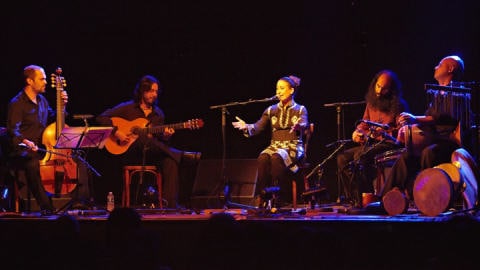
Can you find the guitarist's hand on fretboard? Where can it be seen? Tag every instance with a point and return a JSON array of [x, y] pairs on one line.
[[167, 133], [122, 138]]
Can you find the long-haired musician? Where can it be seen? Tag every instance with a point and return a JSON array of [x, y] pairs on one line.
[[438, 121], [373, 135], [140, 135]]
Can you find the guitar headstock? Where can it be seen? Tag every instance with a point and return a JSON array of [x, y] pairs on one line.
[[194, 123], [57, 80]]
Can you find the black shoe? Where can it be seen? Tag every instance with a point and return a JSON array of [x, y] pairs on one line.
[[47, 212], [191, 157]]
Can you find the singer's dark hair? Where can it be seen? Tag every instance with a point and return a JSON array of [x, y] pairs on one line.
[[391, 101], [145, 84], [293, 80]]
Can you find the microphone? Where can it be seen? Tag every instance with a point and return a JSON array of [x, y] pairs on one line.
[[375, 124], [274, 98], [82, 116]]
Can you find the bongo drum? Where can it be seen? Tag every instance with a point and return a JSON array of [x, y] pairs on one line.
[[395, 202], [383, 163], [470, 173], [433, 191]]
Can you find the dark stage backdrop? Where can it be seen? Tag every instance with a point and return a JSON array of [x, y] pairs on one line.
[[215, 52]]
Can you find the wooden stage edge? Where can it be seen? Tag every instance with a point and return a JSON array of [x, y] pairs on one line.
[[324, 238]]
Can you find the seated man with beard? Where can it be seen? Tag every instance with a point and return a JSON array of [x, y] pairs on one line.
[[374, 134], [440, 121]]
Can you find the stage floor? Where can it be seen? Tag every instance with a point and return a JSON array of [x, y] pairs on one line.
[[327, 237], [324, 212]]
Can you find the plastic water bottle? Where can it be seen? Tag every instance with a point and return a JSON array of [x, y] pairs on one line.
[[110, 202]]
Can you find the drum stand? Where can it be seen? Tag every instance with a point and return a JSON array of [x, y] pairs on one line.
[[358, 169]]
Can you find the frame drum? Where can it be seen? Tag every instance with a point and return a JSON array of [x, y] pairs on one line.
[[433, 191], [470, 173], [455, 176]]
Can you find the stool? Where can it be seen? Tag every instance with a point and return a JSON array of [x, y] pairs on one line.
[[129, 171]]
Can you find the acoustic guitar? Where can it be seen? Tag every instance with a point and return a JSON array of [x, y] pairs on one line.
[[139, 126]]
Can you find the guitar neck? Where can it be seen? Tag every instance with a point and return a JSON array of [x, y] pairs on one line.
[[161, 128], [139, 127]]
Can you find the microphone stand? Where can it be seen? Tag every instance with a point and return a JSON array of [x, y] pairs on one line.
[[223, 108], [340, 116], [341, 127]]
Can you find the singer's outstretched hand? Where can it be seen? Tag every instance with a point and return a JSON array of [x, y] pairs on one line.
[[241, 125]]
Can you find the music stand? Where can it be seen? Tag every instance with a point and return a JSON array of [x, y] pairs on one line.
[[77, 138], [83, 137]]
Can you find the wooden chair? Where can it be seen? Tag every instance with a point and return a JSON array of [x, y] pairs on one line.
[[130, 171], [303, 166]]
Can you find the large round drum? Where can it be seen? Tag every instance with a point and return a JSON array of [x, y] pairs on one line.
[[470, 174], [457, 180], [433, 191]]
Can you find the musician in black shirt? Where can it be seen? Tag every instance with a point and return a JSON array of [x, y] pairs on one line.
[[28, 115], [147, 147]]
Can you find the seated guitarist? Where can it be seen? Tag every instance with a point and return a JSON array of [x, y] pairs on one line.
[[373, 135], [440, 123], [146, 147]]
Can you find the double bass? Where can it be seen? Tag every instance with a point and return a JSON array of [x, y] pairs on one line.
[[58, 170]]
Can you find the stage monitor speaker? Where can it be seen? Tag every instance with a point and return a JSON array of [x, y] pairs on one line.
[[208, 188]]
